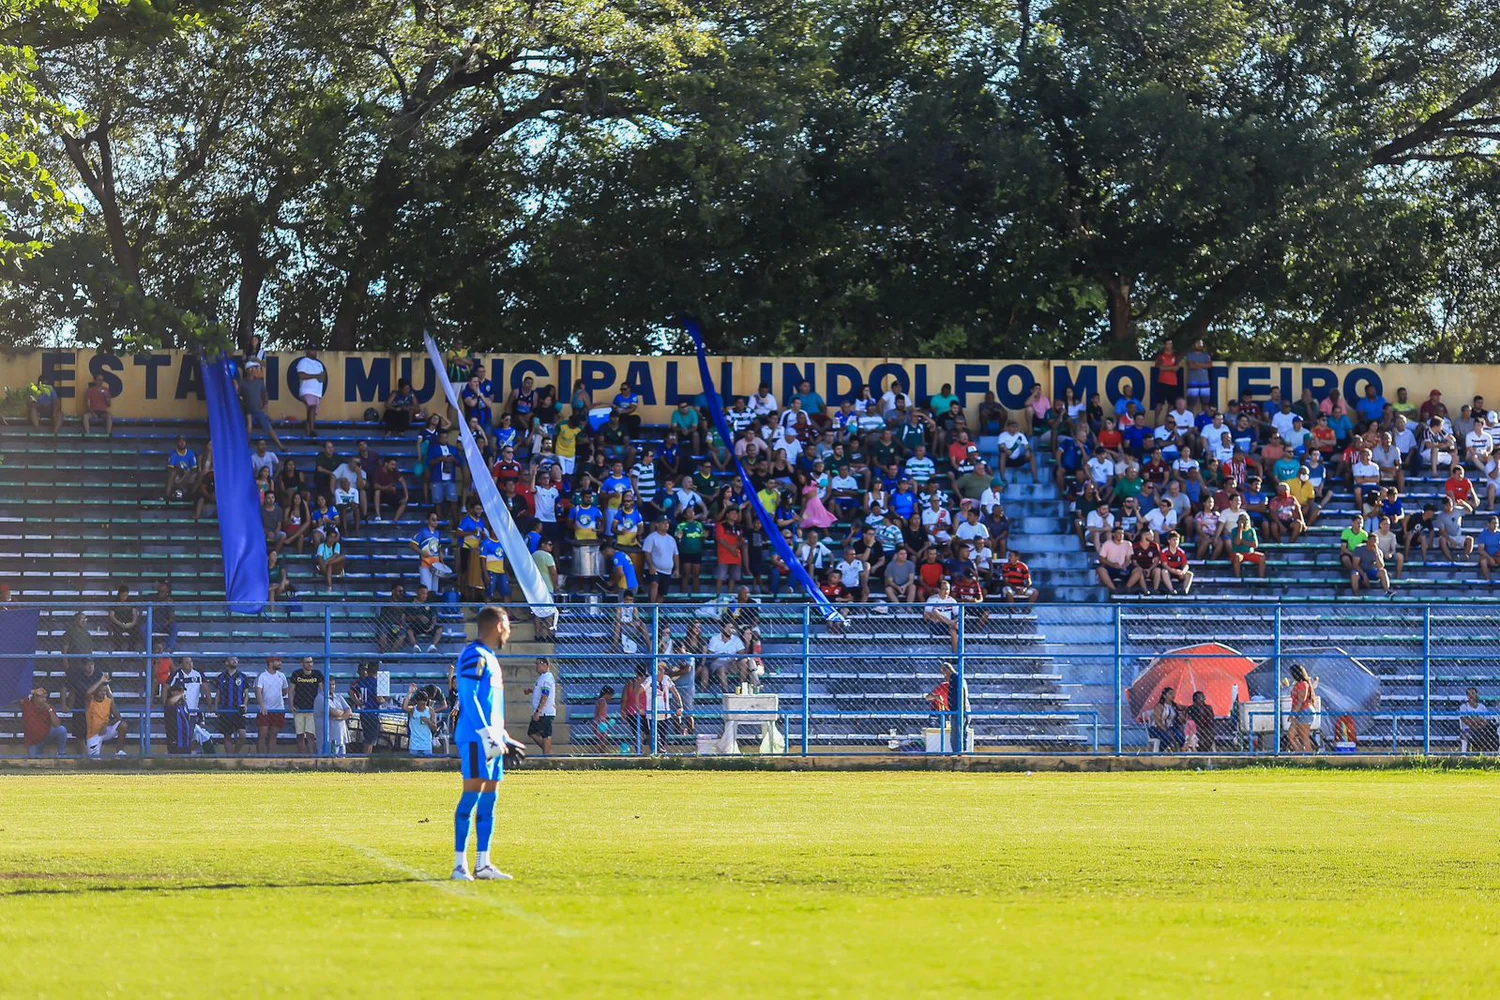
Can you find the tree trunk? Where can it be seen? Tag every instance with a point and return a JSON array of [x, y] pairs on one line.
[[1121, 324]]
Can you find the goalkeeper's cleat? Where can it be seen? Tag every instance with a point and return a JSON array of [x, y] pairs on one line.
[[489, 873], [461, 874]]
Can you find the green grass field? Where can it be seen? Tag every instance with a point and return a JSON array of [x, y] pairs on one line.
[[1247, 883]]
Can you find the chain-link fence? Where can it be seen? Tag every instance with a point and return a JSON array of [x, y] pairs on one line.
[[738, 676]]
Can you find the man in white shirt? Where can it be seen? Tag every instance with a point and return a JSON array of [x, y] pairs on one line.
[[1478, 444], [1282, 420], [991, 498], [1366, 475], [546, 496], [312, 383], [1015, 449], [941, 613], [1101, 469], [1098, 525], [264, 458], [971, 528], [543, 705], [787, 442], [190, 680], [1162, 518], [763, 403], [855, 574], [723, 650], [661, 553], [271, 689]]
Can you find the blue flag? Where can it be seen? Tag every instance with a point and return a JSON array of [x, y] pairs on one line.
[[247, 578], [18, 631], [767, 522]]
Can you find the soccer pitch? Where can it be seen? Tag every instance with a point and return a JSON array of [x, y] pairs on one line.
[[1241, 883]]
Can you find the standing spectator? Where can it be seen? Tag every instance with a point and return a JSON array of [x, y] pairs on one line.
[[730, 550], [312, 385], [41, 725], [187, 677], [77, 642], [543, 706], [182, 471], [79, 688], [366, 700], [421, 722], [271, 689], [230, 690], [307, 685], [1304, 699], [96, 406], [254, 399], [178, 721], [661, 554], [428, 544], [442, 464], [164, 616], [1199, 364], [336, 709]]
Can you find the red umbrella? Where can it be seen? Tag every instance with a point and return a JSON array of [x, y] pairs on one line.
[[1210, 667]]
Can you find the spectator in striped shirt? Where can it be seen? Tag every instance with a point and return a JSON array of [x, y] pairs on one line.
[[1017, 576], [644, 476], [920, 468]]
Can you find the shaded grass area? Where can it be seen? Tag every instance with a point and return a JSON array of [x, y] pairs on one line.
[[1275, 883]]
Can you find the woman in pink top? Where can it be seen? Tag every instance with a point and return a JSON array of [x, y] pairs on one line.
[[814, 514]]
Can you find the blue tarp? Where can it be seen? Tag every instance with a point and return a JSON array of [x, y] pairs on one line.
[[247, 578], [18, 631]]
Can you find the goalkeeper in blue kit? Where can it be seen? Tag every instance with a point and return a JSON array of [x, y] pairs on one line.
[[483, 744]]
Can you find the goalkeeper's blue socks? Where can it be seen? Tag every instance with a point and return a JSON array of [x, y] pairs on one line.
[[484, 828], [466, 803]]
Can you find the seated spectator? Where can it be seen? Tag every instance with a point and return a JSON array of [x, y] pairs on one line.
[[389, 490], [833, 587], [1438, 446], [1117, 567], [1165, 726], [901, 578], [1244, 547], [330, 560], [124, 623], [422, 620], [41, 726], [1388, 542], [1017, 577], [182, 472], [1487, 548], [1369, 569], [1478, 724], [1146, 554], [1200, 729], [43, 403], [1460, 489], [1448, 532], [941, 613], [1174, 565], [1285, 521], [1016, 450], [97, 400]]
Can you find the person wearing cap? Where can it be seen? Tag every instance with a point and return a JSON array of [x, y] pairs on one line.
[[1433, 407], [41, 725]]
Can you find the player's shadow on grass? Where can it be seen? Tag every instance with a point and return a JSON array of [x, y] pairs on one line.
[[79, 890]]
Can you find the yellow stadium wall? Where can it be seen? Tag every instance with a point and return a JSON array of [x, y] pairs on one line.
[[167, 383]]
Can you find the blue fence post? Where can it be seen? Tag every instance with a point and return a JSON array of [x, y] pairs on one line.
[[1426, 680], [655, 715], [957, 722], [1119, 685], [323, 744], [150, 686], [806, 675], [1276, 690]]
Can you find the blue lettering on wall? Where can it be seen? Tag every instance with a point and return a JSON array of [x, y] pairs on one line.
[[362, 385], [1013, 386], [919, 393], [597, 376], [57, 368], [1084, 384], [189, 378], [793, 376], [1119, 378], [521, 369], [429, 382], [841, 381], [881, 373], [107, 365], [1254, 381], [151, 362], [564, 383], [1354, 383], [1319, 381], [970, 380], [639, 377], [1284, 379]]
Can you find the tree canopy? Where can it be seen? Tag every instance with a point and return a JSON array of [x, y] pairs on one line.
[[1284, 178]]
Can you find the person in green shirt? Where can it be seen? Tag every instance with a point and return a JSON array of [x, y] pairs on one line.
[[1351, 540], [1244, 545], [687, 424], [1130, 486], [690, 539], [885, 451], [944, 400], [703, 479]]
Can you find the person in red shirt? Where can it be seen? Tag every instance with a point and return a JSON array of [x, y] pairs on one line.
[[930, 574], [1461, 488], [1285, 522], [41, 725], [833, 587], [1174, 565], [1017, 576], [1166, 378], [507, 469], [1325, 439], [96, 402], [729, 548]]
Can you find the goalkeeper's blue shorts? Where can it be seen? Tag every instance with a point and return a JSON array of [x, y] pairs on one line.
[[475, 765]]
